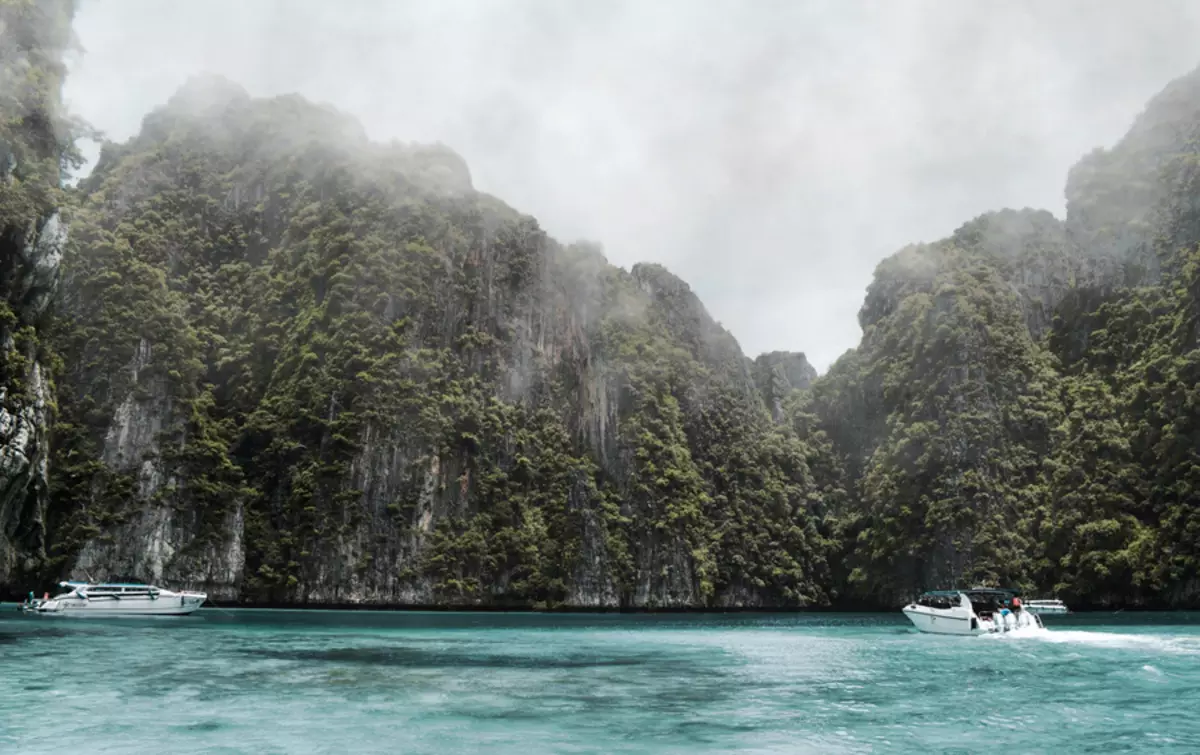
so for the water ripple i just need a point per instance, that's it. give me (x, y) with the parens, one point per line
(287, 681)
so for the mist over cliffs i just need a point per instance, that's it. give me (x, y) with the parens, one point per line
(282, 363)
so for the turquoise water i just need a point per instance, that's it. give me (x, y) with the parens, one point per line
(325, 681)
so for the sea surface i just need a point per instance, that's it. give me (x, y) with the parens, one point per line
(259, 681)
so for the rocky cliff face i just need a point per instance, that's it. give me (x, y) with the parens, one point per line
(25, 397)
(777, 374)
(32, 238)
(308, 368)
(285, 364)
(1016, 412)
(1120, 201)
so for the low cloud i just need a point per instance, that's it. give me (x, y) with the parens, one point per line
(768, 153)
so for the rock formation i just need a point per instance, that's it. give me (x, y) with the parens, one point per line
(33, 146)
(284, 364)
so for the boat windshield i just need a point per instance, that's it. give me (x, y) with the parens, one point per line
(939, 600)
(984, 600)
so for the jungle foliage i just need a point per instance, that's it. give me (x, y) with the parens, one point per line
(1023, 407)
(338, 365)
(401, 385)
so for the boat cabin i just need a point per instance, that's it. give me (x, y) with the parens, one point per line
(116, 588)
(985, 601)
(109, 589)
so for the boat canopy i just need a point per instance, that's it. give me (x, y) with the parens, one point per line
(974, 592)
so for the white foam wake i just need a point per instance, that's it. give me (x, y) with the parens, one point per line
(1181, 644)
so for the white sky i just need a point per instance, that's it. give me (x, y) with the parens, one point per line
(769, 152)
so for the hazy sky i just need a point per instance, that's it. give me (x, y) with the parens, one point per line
(769, 153)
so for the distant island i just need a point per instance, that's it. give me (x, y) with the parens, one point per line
(255, 354)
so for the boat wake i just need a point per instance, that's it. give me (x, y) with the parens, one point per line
(1175, 644)
(1019, 633)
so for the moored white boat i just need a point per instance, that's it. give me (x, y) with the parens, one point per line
(110, 599)
(975, 611)
(1045, 606)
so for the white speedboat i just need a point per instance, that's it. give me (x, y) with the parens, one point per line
(108, 599)
(975, 611)
(1046, 606)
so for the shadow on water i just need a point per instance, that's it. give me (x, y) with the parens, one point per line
(408, 657)
(202, 726)
(371, 621)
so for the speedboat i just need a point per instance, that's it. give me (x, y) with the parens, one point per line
(1045, 606)
(108, 599)
(975, 611)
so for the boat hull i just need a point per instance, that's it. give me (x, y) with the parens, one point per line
(962, 621)
(934, 621)
(107, 607)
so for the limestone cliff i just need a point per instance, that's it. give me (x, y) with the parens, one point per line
(777, 374)
(285, 364)
(1018, 411)
(303, 367)
(32, 237)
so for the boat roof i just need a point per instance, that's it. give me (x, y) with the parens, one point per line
(999, 591)
(102, 584)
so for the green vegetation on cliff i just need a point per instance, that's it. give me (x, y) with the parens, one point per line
(1023, 408)
(306, 367)
(36, 143)
(296, 366)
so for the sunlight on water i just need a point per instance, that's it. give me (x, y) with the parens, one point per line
(323, 681)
